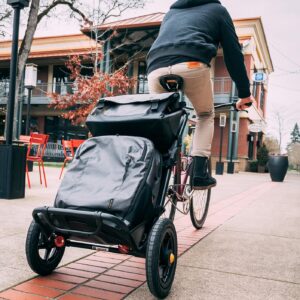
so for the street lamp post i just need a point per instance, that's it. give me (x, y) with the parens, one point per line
(220, 164)
(30, 84)
(17, 5)
(230, 166)
(13, 156)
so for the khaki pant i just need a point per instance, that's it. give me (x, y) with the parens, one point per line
(198, 88)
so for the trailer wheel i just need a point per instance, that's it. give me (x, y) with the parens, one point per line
(161, 257)
(42, 254)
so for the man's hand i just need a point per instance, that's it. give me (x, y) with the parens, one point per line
(244, 103)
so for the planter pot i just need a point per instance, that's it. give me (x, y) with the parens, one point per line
(219, 168)
(278, 166)
(12, 171)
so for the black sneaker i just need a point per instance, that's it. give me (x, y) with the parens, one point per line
(201, 179)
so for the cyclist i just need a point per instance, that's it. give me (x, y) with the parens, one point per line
(188, 39)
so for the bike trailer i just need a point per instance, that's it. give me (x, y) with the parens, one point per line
(153, 116)
(116, 175)
(113, 195)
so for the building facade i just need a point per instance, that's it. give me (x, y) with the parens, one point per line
(50, 55)
(127, 42)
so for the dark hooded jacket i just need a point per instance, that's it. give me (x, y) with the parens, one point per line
(192, 31)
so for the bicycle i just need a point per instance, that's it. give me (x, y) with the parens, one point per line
(194, 202)
(95, 210)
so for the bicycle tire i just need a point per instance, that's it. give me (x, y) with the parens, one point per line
(160, 271)
(38, 264)
(198, 219)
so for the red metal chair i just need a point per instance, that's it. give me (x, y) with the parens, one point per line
(37, 143)
(77, 143)
(68, 153)
(69, 150)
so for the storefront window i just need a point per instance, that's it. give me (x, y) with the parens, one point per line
(59, 128)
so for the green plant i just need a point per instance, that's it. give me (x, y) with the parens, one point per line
(262, 156)
(253, 166)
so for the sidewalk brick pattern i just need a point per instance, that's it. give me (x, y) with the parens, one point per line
(110, 276)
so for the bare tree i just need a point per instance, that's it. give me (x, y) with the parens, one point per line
(5, 15)
(280, 128)
(81, 10)
(294, 155)
(272, 144)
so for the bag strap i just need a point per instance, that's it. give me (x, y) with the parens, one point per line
(100, 104)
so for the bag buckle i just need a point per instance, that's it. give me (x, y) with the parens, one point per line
(154, 105)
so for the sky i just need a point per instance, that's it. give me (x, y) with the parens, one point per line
(281, 23)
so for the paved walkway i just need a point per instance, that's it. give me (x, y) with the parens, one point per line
(249, 249)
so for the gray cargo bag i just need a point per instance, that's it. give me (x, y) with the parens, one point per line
(119, 175)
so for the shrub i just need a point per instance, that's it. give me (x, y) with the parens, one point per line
(262, 156)
(253, 165)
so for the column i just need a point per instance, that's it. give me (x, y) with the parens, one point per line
(50, 79)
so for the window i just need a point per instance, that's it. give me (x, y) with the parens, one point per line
(142, 87)
(59, 128)
(250, 139)
(4, 82)
(61, 80)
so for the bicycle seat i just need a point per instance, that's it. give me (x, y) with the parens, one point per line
(171, 83)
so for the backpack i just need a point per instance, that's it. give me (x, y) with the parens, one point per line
(119, 175)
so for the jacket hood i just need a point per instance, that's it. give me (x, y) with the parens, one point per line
(191, 3)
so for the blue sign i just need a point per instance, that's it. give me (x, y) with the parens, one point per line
(259, 77)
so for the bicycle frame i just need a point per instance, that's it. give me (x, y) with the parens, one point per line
(182, 180)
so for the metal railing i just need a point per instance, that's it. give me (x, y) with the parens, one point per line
(223, 90)
(222, 86)
(41, 89)
(61, 88)
(4, 88)
(54, 151)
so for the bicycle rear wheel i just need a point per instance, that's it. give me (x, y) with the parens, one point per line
(199, 207)
(200, 204)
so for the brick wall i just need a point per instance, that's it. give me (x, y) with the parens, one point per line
(221, 70)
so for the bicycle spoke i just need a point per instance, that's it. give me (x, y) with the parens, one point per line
(47, 253)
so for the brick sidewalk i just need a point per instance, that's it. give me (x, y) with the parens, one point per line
(113, 276)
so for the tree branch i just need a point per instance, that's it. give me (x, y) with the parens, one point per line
(5, 15)
(63, 2)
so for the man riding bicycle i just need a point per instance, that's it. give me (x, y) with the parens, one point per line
(188, 39)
